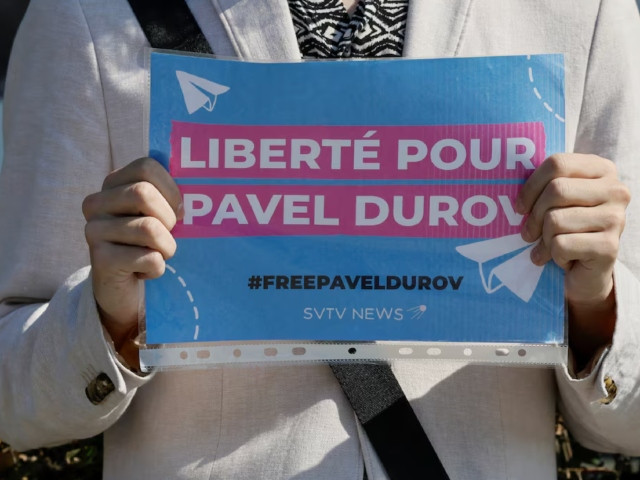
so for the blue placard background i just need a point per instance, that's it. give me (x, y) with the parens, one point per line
(204, 296)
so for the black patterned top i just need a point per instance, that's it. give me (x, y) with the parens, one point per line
(325, 30)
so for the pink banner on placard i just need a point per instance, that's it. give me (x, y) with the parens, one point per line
(501, 151)
(432, 211)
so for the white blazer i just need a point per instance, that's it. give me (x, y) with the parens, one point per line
(74, 111)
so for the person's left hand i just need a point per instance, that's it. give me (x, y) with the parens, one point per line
(576, 207)
(576, 204)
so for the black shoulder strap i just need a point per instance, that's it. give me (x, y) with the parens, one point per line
(373, 391)
(391, 424)
(169, 24)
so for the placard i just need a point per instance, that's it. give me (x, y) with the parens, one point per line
(353, 210)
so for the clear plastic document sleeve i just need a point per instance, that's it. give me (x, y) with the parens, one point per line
(362, 210)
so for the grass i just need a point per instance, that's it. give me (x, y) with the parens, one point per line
(80, 460)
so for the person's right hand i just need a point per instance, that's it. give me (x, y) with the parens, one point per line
(128, 233)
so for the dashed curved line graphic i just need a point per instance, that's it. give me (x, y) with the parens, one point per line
(536, 92)
(196, 313)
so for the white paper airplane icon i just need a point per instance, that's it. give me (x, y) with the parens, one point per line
(199, 92)
(518, 273)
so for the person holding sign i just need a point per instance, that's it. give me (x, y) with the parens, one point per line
(81, 224)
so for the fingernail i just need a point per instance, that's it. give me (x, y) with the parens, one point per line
(535, 255)
(181, 211)
(520, 206)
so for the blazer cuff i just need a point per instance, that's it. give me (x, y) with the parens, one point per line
(100, 354)
(603, 408)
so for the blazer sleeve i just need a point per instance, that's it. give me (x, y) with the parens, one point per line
(57, 151)
(601, 418)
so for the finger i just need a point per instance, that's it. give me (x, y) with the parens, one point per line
(561, 165)
(582, 220)
(126, 260)
(147, 170)
(540, 254)
(563, 221)
(586, 258)
(593, 250)
(137, 199)
(567, 192)
(146, 232)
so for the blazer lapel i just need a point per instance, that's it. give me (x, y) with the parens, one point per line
(435, 27)
(259, 29)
